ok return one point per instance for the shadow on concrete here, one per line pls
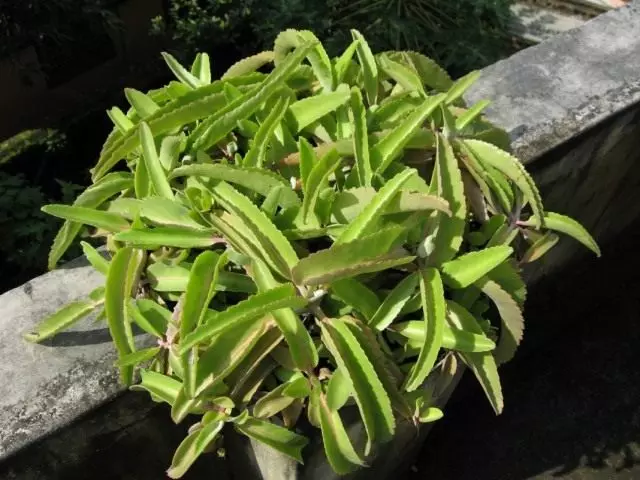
(572, 394)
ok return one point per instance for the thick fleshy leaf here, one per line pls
(152, 317)
(122, 278)
(343, 62)
(120, 120)
(540, 247)
(279, 438)
(509, 278)
(404, 76)
(173, 278)
(315, 181)
(568, 226)
(165, 212)
(512, 169)
(201, 67)
(460, 86)
(430, 414)
(368, 391)
(367, 219)
(430, 72)
(483, 365)
(272, 403)
(161, 386)
(308, 110)
(393, 303)
(139, 356)
(244, 312)
(248, 65)
(256, 155)
(192, 447)
(511, 316)
(471, 114)
(360, 139)
(369, 67)
(433, 310)
(141, 103)
(320, 62)
(301, 346)
(95, 258)
(337, 445)
(452, 338)
(392, 144)
(356, 295)
(170, 152)
(152, 163)
(181, 73)
(168, 237)
(470, 267)
(339, 389)
(111, 222)
(65, 317)
(368, 254)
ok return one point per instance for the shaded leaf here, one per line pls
(248, 65)
(568, 226)
(357, 295)
(393, 303)
(192, 447)
(279, 438)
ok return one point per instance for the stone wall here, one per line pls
(571, 107)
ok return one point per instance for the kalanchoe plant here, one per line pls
(321, 236)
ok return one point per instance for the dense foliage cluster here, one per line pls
(337, 233)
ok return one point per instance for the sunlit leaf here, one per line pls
(168, 236)
(192, 447)
(470, 267)
(357, 295)
(181, 73)
(568, 226)
(248, 65)
(279, 438)
(152, 163)
(369, 67)
(95, 258)
(111, 222)
(393, 303)
(256, 155)
(308, 110)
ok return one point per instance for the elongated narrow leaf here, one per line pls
(445, 242)
(256, 155)
(150, 316)
(357, 295)
(514, 170)
(95, 258)
(461, 86)
(368, 254)
(540, 247)
(369, 393)
(170, 152)
(406, 77)
(120, 120)
(192, 447)
(339, 390)
(141, 103)
(483, 365)
(301, 346)
(429, 71)
(167, 236)
(226, 118)
(317, 178)
(470, 267)
(452, 338)
(391, 145)
(248, 65)
(471, 114)
(152, 163)
(122, 277)
(369, 67)
(568, 226)
(272, 403)
(360, 139)
(279, 438)
(258, 180)
(181, 73)
(343, 62)
(512, 320)
(174, 278)
(167, 212)
(393, 303)
(320, 62)
(365, 221)
(159, 385)
(311, 109)
(244, 312)
(64, 318)
(433, 309)
(337, 445)
(201, 68)
(111, 222)
(139, 356)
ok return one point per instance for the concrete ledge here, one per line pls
(570, 105)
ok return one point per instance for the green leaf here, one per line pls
(180, 72)
(406, 77)
(111, 222)
(315, 182)
(393, 303)
(433, 309)
(244, 312)
(470, 267)
(368, 391)
(256, 155)
(257, 179)
(248, 65)
(120, 120)
(360, 138)
(95, 258)
(168, 237)
(337, 445)
(121, 281)
(343, 62)
(201, 68)
(339, 390)
(461, 86)
(173, 278)
(568, 226)
(471, 114)
(150, 316)
(368, 254)
(140, 356)
(357, 295)
(369, 67)
(430, 414)
(142, 181)
(301, 346)
(64, 318)
(320, 62)
(429, 71)
(308, 159)
(309, 110)
(367, 219)
(272, 403)
(514, 170)
(392, 144)
(192, 447)
(167, 212)
(170, 148)
(279, 438)
(511, 316)
(211, 131)
(445, 242)
(452, 338)
(152, 163)
(540, 247)
(272, 240)
(141, 103)
(159, 385)
(483, 365)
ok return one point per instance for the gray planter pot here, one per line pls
(251, 459)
